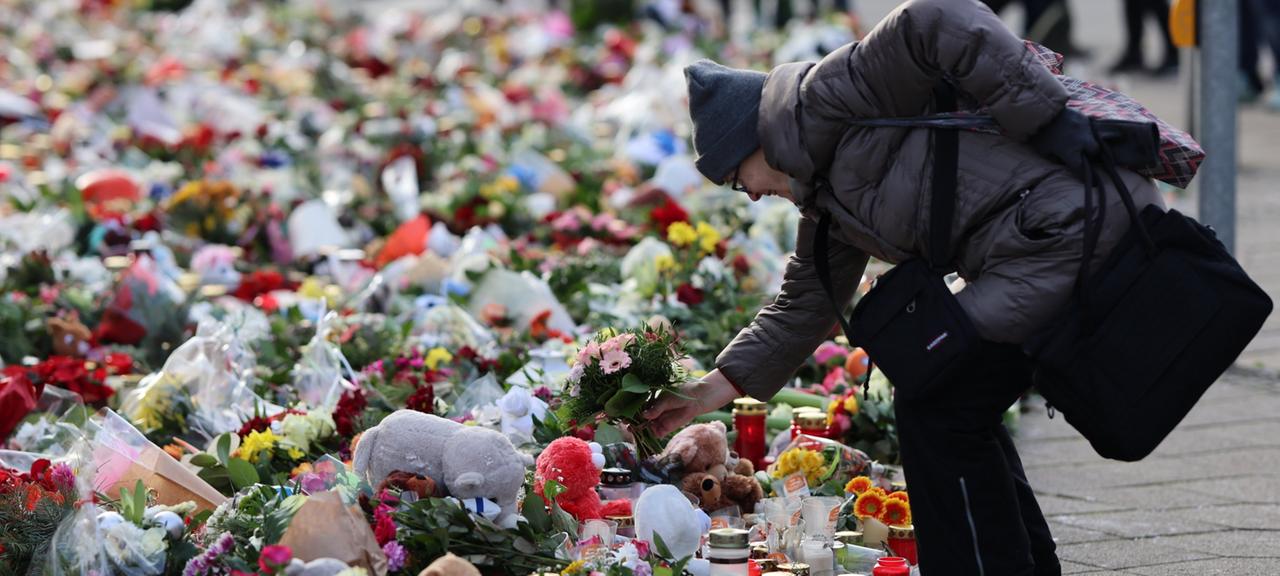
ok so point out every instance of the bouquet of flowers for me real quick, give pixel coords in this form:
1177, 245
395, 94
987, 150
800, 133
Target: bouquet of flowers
32, 504
617, 373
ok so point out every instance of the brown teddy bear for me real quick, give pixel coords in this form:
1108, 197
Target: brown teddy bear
702, 451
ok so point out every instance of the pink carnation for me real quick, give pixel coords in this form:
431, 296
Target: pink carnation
614, 360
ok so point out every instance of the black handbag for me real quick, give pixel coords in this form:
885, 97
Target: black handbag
910, 323
1145, 337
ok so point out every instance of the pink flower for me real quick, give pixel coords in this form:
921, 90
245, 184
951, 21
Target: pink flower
274, 557
566, 222
834, 378
614, 360
601, 221
588, 353
828, 350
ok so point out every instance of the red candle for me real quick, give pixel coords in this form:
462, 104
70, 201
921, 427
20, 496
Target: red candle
891, 566
902, 540
748, 420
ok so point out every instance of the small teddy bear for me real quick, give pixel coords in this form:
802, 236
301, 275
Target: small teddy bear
576, 465
703, 449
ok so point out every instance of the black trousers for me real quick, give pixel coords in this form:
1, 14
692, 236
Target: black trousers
973, 510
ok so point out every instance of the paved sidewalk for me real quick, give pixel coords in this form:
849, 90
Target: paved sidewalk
1206, 502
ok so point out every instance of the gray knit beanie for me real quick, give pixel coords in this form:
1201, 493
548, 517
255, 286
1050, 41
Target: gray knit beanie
724, 104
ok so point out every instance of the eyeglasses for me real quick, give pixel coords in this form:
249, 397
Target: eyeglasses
735, 184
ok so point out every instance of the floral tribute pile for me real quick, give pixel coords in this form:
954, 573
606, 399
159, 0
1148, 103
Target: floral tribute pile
247, 249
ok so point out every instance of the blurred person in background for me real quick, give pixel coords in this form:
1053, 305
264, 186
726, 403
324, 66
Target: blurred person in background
1047, 22
1259, 25
1135, 15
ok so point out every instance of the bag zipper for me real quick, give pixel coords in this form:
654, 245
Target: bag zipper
973, 529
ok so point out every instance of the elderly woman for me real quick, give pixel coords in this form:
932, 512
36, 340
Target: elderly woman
1017, 240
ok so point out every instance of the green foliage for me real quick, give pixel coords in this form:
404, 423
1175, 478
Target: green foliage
224, 472
432, 527
260, 513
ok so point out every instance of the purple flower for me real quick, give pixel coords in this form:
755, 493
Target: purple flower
62, 475
396, 555
201, 564
643, 569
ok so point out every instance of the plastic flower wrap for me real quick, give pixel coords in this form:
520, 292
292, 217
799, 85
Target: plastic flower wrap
209, 377
641, 264
146, 309
318, 377
826, 465
523, 296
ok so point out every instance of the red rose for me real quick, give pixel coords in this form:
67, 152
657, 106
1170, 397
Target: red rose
667, 214
689, 295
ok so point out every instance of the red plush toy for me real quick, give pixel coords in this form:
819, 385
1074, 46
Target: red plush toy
576, 465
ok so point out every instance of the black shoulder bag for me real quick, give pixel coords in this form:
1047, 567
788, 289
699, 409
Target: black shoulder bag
1145, 337
910, 323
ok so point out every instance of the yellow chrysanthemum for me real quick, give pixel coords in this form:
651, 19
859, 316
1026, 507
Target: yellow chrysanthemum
296, 453
664, 263
851, 404
807, 462
858, 485
573, 568
708, 237
436, 356
258, 445
681, 234
895, 512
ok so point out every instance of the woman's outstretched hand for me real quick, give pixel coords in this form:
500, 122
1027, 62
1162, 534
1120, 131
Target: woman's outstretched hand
670, 412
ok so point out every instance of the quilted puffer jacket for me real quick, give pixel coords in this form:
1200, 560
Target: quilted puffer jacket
1017, 235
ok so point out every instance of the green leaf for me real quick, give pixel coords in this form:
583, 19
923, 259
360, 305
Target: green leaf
608, 434
204, 460
625, 404
661, 546
224, 448
536, 513
551, 489
632, 383
242, 473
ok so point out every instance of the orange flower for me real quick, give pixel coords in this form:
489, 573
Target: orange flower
174, 450
895, 512
858, 485
901, 495
33, 497
879, 491
869, 505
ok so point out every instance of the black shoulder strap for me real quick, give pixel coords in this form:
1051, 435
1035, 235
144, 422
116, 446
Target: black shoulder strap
946, 152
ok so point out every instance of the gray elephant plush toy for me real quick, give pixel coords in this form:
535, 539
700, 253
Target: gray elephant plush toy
471, 463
